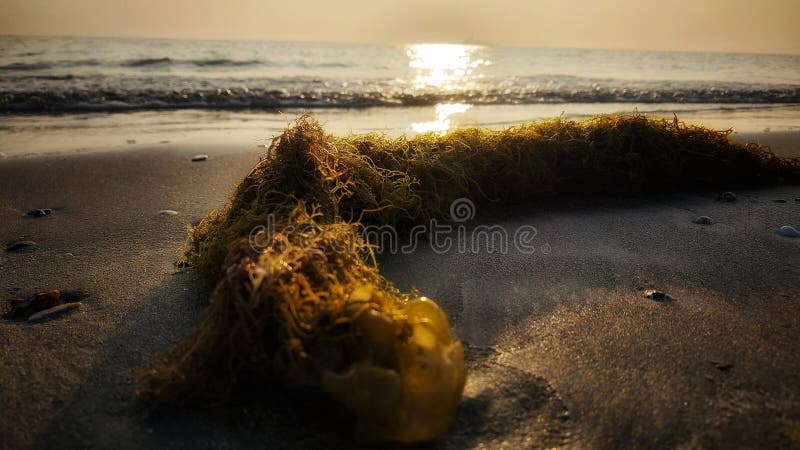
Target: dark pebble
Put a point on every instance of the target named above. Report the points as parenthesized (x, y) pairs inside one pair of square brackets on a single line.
[(198, 158), (40, 212), (726, 197), (779, 200), (657, 296), (35, 303), (20, 246), (724, 367), (703, 220)]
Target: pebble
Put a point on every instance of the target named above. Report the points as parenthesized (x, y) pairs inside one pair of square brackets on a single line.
[(703, 220), (54, 311), (779, 200), (726, 197), (35, 303), (198, 158), (723, 366), (789, 231), (40, 212), (168, 212), (20, 246), (165, 142), (657, 295), (130, 141)]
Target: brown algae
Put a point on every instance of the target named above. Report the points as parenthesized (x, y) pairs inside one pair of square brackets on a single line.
[(309, 310)]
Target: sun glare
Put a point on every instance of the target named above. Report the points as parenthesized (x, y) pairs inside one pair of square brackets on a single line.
[(444, 66)]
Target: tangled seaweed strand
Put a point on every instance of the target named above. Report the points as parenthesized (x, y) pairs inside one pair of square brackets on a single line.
[(308, 310)]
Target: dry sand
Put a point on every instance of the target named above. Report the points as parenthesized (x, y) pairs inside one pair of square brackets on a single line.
[(563, 348)]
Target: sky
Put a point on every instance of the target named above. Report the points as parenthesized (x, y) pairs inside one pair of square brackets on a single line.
[(766, 26)]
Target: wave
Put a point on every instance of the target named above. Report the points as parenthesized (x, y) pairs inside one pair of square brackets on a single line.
[(270, 99), (225, 62), (146, 62), (45, 65), (164, 62), (26, 66)]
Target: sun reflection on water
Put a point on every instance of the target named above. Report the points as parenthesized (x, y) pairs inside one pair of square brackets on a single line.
[(444, 68), (442, 122)]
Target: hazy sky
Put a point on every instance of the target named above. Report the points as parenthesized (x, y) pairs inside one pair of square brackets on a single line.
[(719, 25)]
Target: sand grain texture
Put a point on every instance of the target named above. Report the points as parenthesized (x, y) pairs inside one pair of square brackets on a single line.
[(562, 347)]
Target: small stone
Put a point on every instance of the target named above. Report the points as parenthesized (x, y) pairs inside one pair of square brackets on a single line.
[(727, 197), (55, 311), (703, 220), (779, 200), (724, 367), (130, 141), (35, 303), (789, 231), (40, 212), (198, 158), (797, 200), (165, 142), (20, 246), (168, 212), (657, 295)]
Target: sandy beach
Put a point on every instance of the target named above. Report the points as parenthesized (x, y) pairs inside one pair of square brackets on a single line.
[(563, 348)]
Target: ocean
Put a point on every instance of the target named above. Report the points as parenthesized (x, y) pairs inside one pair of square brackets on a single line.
[(56, 83)]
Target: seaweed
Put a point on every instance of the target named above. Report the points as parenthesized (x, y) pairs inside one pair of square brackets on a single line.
[(300, 304), (400, 181)]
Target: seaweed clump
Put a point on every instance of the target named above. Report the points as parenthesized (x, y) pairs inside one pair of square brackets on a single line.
[(307, 310), (400, 181), (295, 300)]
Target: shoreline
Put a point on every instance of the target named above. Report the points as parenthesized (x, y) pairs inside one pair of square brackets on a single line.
[(52, 135), (564, 342)]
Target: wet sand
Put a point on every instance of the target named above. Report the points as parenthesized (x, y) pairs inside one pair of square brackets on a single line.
[(562, 347)]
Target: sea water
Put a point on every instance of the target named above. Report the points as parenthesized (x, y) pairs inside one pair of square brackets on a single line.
[(165, 85)]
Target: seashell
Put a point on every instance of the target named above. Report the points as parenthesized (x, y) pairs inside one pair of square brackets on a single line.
[(54, 311), (168, 212), (789, 231), (198, 158)]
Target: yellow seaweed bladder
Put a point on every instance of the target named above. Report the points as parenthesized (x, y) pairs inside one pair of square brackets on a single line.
[(416, 399)]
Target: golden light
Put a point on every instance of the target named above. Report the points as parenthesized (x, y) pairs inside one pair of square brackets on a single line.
[(442, 122), (444, 66)]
